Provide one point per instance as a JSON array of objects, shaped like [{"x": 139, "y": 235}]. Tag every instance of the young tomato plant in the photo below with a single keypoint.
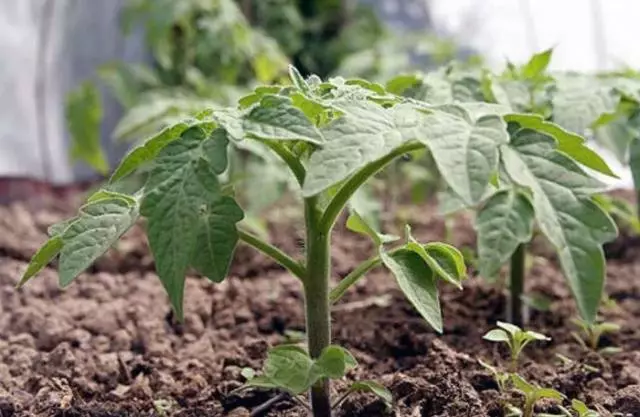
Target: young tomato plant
[
  {"x": 589, "y": 335},
  {"x": 532, "y": 394},
  {"x": 515, "y": 338},
  {"x": 540, "y": 180},
  {"x": 333, "y": 136}
]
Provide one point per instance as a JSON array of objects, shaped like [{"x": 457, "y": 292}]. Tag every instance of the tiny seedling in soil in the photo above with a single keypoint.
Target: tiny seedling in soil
[
  {"x": 532, "y": 394},
  {"x": 514, "y": 337},
  {"x": 589, "y": 335},
  {"x": 334, "y": 136}
]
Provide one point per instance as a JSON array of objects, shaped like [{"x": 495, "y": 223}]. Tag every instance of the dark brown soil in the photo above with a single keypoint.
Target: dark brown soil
[{"x": 108, "y": 345}]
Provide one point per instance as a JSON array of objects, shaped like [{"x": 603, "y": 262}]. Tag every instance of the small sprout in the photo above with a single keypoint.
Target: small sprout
[
  {"x": 163, "y": 407},
  {"x": 582, "y": 409},
  {"x": 501, "y": 378},
  {"x": 515, "y": 338},
  {"x": 589, "y": 335},
  {"x": 532, "y": 393}
]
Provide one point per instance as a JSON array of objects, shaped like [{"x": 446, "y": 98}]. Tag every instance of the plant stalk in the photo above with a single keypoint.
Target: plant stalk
[
  {"x": 515, "y": 307},
  {"x": 316, "y": 291}
]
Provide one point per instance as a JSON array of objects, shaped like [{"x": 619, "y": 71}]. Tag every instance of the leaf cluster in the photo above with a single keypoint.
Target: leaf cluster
[{"x": 514, "y": 337}]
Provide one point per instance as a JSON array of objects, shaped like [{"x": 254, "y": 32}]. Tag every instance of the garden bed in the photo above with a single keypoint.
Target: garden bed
[{"x": 108, "y": 345}]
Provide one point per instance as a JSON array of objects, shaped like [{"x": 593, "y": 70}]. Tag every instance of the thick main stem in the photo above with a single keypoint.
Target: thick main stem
[
  {"x": 316, "y": 289},
  {"x": 515, "y": 306}
]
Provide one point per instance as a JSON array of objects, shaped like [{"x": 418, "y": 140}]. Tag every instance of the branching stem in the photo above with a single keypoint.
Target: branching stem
[
  {"x": 274, "y": 253},
  {"x": 347, "y": 190}
]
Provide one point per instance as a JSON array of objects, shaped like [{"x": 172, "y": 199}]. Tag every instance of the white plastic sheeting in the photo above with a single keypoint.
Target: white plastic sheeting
[{"x": 47, "y": 48}]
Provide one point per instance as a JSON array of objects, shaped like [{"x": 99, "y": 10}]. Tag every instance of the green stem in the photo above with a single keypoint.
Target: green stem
[
  {"x": 289, "y": 158},
  {"x": 316, "y": 291},
  {"x": 354, "y": 276},
  {"x": 515, "y": 307},
  {"x": 339, "y": 201},
  {"x": 274, "y": 253}
]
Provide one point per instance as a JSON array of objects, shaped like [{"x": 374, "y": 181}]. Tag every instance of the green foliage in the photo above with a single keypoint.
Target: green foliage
[
  {"x": 84, "y": 115},
  {"x": 532, "y": 394},
  {"x": 334, "y": 136},
  {"x": 514, "y": 337},
  {"x": 589, "y": 335}
]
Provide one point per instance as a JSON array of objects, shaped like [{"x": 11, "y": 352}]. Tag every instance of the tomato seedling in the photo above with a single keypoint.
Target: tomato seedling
[
  {"x": 532, "y": 394},
  {"x": 514, "y": 337},
  {"x": 333, "y": 136}
]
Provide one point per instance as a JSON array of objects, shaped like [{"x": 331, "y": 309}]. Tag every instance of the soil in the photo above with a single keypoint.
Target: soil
[{"x": 108, "y": 345}]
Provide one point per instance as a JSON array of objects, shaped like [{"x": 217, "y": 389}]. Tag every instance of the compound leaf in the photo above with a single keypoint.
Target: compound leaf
[
  {"x": 504, "y": 221},
  {"x": 188, "y": 213},
  {"x": 569, "y": 143},
  {"x": 276, "y": 118},
  {"x": 98, "y": 226},
  {"x": 42, "y": 257},
  {"x": 573, "y": 223},
  {"x": 466, "y": 153}
]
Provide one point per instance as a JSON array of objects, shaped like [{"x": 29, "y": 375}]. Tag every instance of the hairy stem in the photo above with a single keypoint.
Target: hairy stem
[
  {"x": 294, "y": 164},
  {"x": 345, "y": 192},
  {"x": 274, "y": 253},
  {"x": 316, "y": 291},
  {"x": 515, "y": 306},
  {"x": 354, "y": 276}
]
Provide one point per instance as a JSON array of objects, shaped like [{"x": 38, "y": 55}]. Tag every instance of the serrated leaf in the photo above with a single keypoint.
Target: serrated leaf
[
  {"x": 537, "y": 64},
  {"x": 375, "y": 388},
  {"x": 276, "y": 118},
  {"x": 497, "y": 335},
  {"x": 290, "y": 368},
  {"x": 98, "y": 226},
  {"x": 188, "y": 213},
  {"x": 417, "y": 282},
  {"x": 365, "y": 133},
  {"x": 466, "y": 153},
  {"x": 569, "y": 143},
  {"x": 504, "y": 222},
  {"x": 575, "y": 225},
  {"x": 579, "y": 101},
  {"x": 41, "y": 259},
  {"x": 148, "y": 150},
  {"x": 84, "y": 116},
  {"x": 334, "y": 362}
]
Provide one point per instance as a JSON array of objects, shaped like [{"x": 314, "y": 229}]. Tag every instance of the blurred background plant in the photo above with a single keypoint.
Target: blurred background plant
[{"x": 209, "y": 53}]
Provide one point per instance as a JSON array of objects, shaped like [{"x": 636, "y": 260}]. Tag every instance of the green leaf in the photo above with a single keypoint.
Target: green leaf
[
  {"x": 357, "y": 224},
  {"x": 573, "y": 223},
  {"x": 504, "y": 222},
  {"x": 511, "y": 329},
  {"x": 84, "y": 116},
  {"x": 42, "y": 257},
  {"x": 59, "y": 228},
  {"x": 191, "y": 222},
  {"x": 110, "y": 195},
  {"x": 334, "y": 362},
  {"x": 522, "y": 385},
  {"x": 569, "y": 143},
  {"x": 450, "y": 262},
  {"x": 580, "y": 100},
  {"x": 417, "y": 282},
  {"x": 289, "y": 367},
  {"x": 374, "y": 388},
  {"x": 549, "y": 393},
  {"x": 401, "y": 83},
  {"x": 298, "y": 80},
  {"x": 466, "y": 153},
  {"x": 497, "y": 335},
  {"x": 276, "y": 118},
  {"x": 248, "y": 373},
  {"x": 98, "y": 226},
  {"x": 148, "y": 150},
  {"x": 537, "y": 64},
  {"x": 634, "y": 161}
]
